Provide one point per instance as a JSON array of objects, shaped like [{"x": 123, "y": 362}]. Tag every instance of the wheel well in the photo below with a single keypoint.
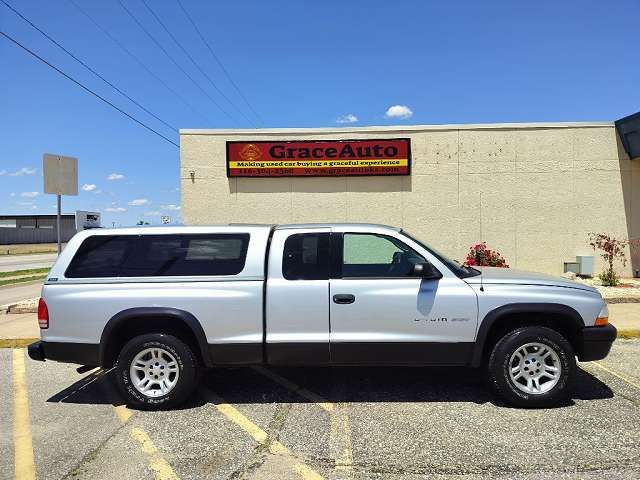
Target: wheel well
[
  {"x": 132, "y": 327},
  {"x": 564, "y": 324}
]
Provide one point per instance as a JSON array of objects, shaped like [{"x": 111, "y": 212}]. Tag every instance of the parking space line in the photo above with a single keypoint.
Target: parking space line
[
  {"x": 22, "y": 442},
  {"x": 615, "y": 374},
  {"x": 303, "y": 392},
  {"x": 159, "y": 465},
  {"x": 341, "y": 441},
  {"x": 260, "y": 436},
  {"x": 340, "y": 433},
  {"x": 161, "y": 468},
  {"x": 123, "y": 413}
]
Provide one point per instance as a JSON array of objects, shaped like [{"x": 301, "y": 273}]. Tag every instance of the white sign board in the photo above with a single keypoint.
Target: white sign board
[
  {"x": 86, "y": 220},
  {"x": 60, "y": 174},
  {"x": 166, "y": 220}
]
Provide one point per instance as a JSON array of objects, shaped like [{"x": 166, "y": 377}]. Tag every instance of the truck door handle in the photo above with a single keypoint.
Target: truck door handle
[{"x": 344, "y": 298}]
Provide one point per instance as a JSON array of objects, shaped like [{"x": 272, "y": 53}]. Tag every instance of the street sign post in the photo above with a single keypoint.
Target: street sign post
[{"x": 60, "y": 178}]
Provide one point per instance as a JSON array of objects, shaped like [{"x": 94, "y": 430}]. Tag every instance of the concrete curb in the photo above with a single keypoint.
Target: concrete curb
[
  {"x": 629, "y": 333},
  {"x": 614, "y": 300},
  {"x": 15, "y": 307},
  {"x": 16, "y": 342}
]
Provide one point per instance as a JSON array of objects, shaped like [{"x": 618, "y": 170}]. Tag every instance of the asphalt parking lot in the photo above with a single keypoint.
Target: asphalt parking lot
[{"x": 345, "y": 423}]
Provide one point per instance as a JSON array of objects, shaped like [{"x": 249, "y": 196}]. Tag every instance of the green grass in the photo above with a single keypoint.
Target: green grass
[
  {"x": 30, "y": 271},
  {"x": 12, "y": 281}
]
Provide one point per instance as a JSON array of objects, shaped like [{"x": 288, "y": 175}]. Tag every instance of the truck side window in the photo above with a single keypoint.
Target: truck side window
[
  {"x": 187, "y": 255},
  {"x": 372, "y": 255},
  {"x": 100, "y": 256},
  {"x": 306, "y": 257},
  {"x": 103, "y": 256}
]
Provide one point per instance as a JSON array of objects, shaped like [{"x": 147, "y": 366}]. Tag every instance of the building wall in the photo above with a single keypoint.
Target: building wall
[
  {"x": 37, "y": 229},
  {"x": 534, "y": 191}
]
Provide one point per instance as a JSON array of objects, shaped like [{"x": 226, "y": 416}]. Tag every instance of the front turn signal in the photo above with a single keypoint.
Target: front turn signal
[{"x": 603, "y": 316}]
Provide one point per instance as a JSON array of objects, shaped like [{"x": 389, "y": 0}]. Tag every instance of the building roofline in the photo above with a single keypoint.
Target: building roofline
[
  {"x": 37, "y": 215},
  {"x": 392, "y": 128}
]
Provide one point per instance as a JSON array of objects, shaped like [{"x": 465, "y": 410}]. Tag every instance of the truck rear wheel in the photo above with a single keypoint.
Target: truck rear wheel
[
  {"x": 156, "y": 371},
  {"x": 532, "y": 367}
]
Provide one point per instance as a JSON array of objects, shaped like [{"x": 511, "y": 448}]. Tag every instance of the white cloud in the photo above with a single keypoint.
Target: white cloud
[
  {"x": 115, "y": 176},
  {"x": 115, "y": 209},
  {"x": 24, "y": 204},
  {"x": 12, "y": 194},
  {"x": 138, "y": 202},
  {"x": 398, "y": 111},
  {"x": 22, "y": 171},
  {"x": 3, "y": 172},
  {"x": 89, "y": 187},
  {"x": 154, "y": 213},
  {"x": 29, "y": 194},
  {"x": 170, "y": 207},
  {"x": 348, "y": 118}
]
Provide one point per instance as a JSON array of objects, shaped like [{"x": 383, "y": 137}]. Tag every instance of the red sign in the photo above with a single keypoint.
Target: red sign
[{"x": 322, "y": 158}]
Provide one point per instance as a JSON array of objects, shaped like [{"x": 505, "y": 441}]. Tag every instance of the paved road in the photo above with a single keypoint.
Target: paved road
[
  {"x": 9, "y": 263},
  {"x": 19, "y": 292},
  {"x": 312, "y": 423}
]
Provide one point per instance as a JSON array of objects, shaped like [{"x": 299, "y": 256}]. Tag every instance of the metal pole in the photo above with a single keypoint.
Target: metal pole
[{"x": 58, "y": 223}]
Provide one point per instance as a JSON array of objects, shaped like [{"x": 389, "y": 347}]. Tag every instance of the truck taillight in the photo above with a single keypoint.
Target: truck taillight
[{"x": 43, "y": 314}]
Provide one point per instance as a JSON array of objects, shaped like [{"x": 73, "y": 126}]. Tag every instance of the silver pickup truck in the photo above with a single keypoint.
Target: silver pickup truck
[{"x": 158, "y": 304}]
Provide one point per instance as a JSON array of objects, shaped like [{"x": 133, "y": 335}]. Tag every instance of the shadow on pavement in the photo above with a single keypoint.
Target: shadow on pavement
[{"x": 337, "y": 384}]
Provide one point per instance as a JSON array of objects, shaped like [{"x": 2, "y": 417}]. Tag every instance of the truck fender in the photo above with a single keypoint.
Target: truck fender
[
  {"x": 150, "y": 312},
  {"x": 513, "y": 308}
]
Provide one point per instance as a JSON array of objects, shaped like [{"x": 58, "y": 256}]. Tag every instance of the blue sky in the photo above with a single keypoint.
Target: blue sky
[{"x": 299, "y": 64}]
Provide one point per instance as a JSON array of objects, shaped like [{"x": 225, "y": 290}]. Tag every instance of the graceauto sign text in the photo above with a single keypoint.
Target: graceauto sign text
[{"x": 321, "y": 158}]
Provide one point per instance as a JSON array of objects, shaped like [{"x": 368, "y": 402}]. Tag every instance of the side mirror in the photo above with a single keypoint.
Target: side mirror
[{"x": 426, "y": 270}]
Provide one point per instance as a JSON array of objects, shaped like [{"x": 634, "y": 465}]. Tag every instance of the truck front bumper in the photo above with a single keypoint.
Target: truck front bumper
[
  {"x": 80, "y": 353},
  {"x": 594, "y": 343}
]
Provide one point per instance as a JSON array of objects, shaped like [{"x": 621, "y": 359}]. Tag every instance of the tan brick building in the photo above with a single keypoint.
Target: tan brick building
[{"x": 532, "y": 191}]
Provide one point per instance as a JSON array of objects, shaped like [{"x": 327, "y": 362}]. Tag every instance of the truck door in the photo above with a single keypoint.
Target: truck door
[
  {"x": 297, "y": 297},
  {"x": 381, "y": 314}
]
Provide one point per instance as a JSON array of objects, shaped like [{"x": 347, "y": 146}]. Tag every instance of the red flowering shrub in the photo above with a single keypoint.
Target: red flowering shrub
[
  {"x": 480, "y": 255},
  {"x": 611, "y": 249}
]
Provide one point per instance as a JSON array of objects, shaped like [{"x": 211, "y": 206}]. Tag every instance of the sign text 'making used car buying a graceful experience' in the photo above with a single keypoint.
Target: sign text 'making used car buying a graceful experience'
[{"x": 321, "y": 158}]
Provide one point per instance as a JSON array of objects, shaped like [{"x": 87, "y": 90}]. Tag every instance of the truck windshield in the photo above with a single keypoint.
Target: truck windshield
[{"x": 461, "y": 271}]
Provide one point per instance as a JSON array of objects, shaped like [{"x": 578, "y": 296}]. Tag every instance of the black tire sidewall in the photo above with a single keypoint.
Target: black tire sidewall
[
  {"x": 499, "y": 366},
  {"x": 186, "y": 366}
]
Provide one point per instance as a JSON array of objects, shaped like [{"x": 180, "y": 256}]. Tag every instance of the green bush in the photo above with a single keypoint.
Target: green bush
[{"x": 609, "y": 278}]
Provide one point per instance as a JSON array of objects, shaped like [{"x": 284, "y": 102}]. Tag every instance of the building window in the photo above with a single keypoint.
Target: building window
[
  {"x": 9, "y": 223},
  {"x": 48, "y": 223}
]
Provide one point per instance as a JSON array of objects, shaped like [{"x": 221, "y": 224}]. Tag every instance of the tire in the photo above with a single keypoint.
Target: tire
[
  {"x": 163, "y": 364},
  {"x": 516, "y": 367}
]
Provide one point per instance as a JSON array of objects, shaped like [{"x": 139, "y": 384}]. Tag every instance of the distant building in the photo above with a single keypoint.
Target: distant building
[{"x": 35, "y": 228}]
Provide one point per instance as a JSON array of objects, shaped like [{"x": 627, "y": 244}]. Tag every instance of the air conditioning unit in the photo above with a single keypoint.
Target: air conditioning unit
[{"x": 582, "y": 266}]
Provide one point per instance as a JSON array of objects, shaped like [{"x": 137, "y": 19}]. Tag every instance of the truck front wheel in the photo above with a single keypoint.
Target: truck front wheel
[
  {"x": 532, "y": 367},
  {"x": 156, "y": 371}
]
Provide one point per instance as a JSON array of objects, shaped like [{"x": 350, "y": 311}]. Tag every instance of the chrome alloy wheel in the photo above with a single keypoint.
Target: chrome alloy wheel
[
  {"x": 154, "y": 372},
  {"x": 535, "y": 368}
]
